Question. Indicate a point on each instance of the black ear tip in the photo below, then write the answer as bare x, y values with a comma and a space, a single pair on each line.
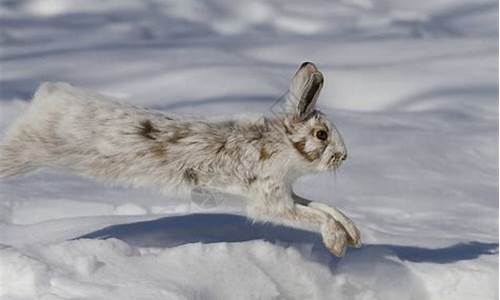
304, 64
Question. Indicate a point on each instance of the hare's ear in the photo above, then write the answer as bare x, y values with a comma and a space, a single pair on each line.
304, 90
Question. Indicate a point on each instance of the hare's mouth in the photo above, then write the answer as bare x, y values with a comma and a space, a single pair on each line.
334, 162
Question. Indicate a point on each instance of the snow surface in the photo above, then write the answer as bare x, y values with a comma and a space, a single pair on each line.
412, 85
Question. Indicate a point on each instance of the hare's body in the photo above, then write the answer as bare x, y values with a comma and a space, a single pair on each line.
71, 128
99, 137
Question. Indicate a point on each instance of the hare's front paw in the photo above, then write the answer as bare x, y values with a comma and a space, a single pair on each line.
353, 234
334, 237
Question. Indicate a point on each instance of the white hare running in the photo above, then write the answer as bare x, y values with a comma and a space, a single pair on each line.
100, 137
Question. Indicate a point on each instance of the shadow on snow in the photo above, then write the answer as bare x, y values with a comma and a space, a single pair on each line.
213, 228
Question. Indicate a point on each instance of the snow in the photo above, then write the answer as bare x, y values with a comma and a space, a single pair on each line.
412, 85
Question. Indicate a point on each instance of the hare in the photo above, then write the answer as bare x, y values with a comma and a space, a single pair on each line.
97, 136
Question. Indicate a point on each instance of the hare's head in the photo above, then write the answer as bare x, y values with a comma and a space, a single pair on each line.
314, 138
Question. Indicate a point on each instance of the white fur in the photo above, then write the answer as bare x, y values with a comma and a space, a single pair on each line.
100, 137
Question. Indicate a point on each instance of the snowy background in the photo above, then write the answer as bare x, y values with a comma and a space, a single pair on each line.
412, 85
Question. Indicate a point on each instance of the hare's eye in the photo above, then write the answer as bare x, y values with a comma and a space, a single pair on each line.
322, 135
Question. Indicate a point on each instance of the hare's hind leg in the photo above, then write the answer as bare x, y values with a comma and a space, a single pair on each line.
353, 234
14, 161
304, 217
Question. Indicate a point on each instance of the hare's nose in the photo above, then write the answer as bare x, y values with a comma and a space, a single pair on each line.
339, 156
